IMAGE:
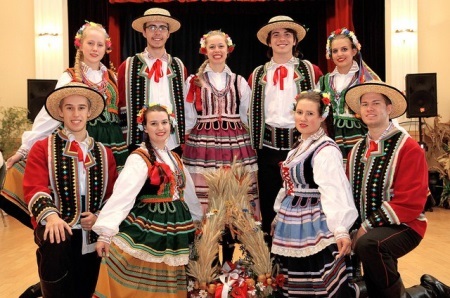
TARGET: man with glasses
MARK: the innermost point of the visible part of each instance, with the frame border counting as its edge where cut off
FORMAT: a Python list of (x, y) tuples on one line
[(153, 76)]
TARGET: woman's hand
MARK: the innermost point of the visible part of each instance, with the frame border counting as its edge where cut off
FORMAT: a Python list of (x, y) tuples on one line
[(344, 245), (13, 159), (102, 249)]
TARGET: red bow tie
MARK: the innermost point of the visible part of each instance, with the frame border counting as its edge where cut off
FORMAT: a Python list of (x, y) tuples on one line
[(373, 146), (74, 146), (155, 71), (279, 75)]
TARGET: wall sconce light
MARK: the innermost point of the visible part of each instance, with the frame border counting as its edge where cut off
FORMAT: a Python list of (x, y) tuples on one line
[(48, 38), (405, 34), (404, 31)]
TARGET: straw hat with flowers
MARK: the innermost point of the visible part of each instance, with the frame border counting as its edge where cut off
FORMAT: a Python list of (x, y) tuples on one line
[(156, 15), (74, 88), (279, 22), (398, 100)]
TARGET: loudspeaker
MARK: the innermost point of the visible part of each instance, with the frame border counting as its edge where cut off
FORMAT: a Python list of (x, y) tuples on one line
[(421, 95), (37, 94)]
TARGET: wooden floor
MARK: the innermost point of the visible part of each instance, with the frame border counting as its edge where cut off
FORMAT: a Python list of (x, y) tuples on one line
[(18, 268)]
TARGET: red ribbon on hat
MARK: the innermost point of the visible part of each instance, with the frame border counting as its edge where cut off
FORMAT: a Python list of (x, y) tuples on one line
[(280, 73), (155, 71), (373, 146)]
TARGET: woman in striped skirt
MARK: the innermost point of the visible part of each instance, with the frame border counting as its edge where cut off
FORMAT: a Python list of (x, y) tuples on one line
[(147, 224), (315, 208)]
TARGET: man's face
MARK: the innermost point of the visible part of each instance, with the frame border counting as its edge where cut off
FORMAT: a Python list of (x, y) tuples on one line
[(156, 34), (282, 41), (75, 110), (374, 110)]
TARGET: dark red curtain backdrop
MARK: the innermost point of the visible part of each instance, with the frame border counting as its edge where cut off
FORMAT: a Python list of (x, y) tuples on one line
[(241, 19)]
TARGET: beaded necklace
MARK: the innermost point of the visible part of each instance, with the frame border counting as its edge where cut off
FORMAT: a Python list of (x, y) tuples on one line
[(100, 87)]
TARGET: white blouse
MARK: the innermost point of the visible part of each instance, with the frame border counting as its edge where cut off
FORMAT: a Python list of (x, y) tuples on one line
[(128, 185)]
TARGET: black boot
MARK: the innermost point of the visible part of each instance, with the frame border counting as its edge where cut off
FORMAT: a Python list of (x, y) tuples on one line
[(397, 290), (418, 292), (33, 291), (434, 286)]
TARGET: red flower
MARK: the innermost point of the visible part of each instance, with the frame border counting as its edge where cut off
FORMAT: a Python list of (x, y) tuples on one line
[(326, 100), (337, 31), (239, 291), (280, 280)]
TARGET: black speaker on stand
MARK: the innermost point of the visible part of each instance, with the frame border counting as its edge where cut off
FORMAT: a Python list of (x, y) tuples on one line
[(421, 95), (37, 94)]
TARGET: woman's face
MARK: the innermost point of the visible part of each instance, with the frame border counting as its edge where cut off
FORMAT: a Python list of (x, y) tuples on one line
[(157, 128), (307, 117), (216, 49), (342, 53), (93, 47)]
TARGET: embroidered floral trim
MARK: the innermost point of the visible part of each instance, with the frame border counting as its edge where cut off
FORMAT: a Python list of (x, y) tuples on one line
[(342, 31)]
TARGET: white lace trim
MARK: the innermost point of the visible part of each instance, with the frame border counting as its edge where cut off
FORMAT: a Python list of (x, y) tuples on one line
[(303, 252), (141, 255)]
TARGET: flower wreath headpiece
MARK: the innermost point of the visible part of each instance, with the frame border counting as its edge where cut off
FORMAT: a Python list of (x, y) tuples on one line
[(325, 98), (211, 33), (341, 31), (141, 115), (79, 35)]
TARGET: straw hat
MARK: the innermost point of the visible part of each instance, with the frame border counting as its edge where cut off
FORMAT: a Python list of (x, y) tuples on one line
[(279, 22), (398, 100), (156, 15), (74, 88)]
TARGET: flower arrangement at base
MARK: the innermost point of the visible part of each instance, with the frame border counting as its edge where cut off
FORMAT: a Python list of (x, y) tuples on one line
[(229, 206)]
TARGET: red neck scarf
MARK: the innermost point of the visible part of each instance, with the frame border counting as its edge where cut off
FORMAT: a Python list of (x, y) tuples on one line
[(279, 75), (155, 71)]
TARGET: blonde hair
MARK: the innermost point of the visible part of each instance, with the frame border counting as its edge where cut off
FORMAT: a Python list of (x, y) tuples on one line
[(79, 37)]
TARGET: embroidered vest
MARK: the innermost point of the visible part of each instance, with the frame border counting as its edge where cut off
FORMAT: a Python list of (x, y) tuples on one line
[(305, 72), (372, 178), (137, 90)]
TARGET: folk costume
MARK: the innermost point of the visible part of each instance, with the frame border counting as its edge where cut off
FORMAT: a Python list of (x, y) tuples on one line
[(145, 80), (389, 177), (216, 117), (104, 129), (315, 207), (67, 177), (348, 127), (150, 219), (271, 122)]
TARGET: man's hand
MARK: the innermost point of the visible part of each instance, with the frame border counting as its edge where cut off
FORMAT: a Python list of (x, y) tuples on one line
[(55, 227), (88, 219)]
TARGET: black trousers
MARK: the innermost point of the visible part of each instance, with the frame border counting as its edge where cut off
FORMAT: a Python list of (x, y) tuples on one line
[(379, 250), (63, 270), (269, 183)]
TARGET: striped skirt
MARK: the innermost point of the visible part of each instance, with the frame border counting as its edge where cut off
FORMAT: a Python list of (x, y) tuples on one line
[(306, 250), (122, 275), (148, 255), (212, 145)]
